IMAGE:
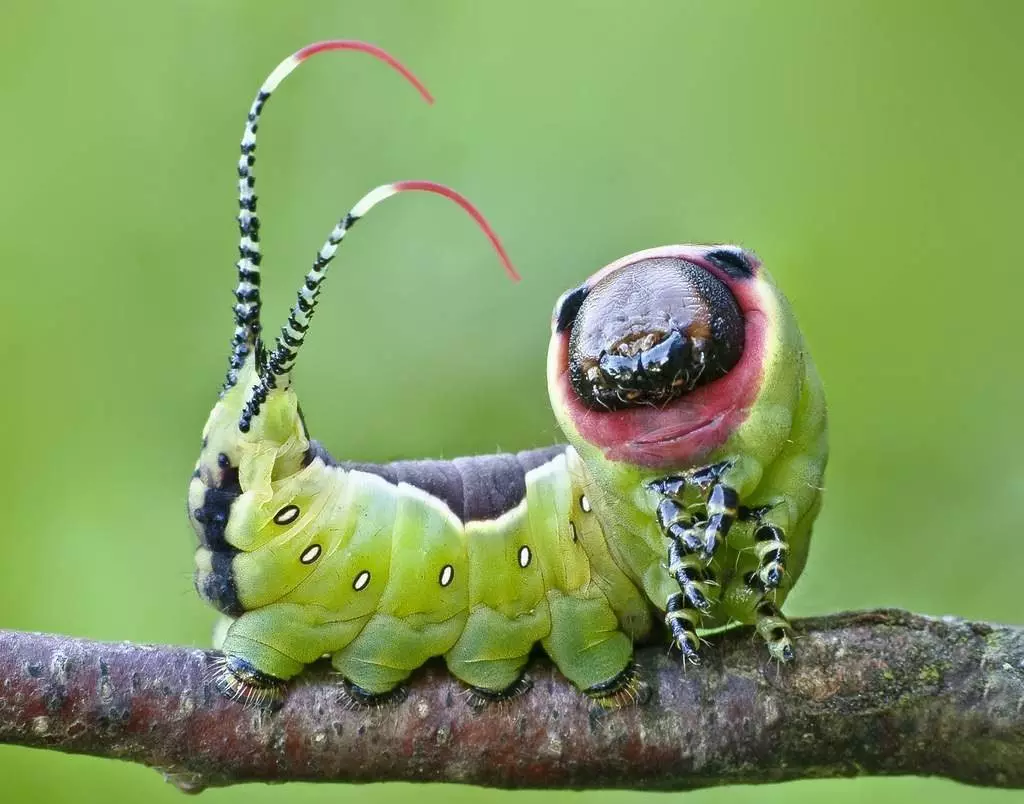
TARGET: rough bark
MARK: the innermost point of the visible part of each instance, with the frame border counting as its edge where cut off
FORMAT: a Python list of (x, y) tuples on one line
[(871, 693)]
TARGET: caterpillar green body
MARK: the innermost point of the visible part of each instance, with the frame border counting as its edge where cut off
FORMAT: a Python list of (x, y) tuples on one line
[(696, 428)]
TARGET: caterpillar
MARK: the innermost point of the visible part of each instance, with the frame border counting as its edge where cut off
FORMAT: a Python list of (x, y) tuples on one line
[(697, 443)]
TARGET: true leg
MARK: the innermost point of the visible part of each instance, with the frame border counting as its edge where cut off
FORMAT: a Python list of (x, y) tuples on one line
[(682, 620), (774, 629), (772, 552), (746, 601), (686, 564), (722, 504)]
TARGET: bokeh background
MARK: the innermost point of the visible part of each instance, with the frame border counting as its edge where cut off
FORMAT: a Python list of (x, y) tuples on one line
[(872, 153)]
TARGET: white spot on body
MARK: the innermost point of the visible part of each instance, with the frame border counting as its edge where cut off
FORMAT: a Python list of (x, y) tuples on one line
[(447, 575), (310, 554), (524, 556), (361, 581), (585, 504), (287, 515)]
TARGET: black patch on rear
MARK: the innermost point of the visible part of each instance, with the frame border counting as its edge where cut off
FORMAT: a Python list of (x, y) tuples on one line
[(734, 263), (218, 587), (569, 307), (216, 508), (476, 488)]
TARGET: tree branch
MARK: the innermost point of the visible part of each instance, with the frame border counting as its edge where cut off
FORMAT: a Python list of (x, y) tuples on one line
[(871, 693)]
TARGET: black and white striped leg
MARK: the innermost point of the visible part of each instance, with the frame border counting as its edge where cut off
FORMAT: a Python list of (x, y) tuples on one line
[(671, 486), (685, 564), (772, 552), (679, 526), (682, 620), (775, 630), (694, 578), (722, 506)]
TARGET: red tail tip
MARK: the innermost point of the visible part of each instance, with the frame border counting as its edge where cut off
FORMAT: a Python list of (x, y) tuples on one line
[(466, 204), (373, 50)]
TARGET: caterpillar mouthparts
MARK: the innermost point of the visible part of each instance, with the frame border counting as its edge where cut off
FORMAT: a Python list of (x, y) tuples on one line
[(652, 332)]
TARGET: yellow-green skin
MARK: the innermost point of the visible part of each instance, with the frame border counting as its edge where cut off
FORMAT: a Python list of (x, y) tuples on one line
[(597, 555)]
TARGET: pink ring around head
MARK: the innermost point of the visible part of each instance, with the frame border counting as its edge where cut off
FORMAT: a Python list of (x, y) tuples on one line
[(692, 426)]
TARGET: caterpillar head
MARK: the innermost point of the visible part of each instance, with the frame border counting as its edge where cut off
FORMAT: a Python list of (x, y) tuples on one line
[(655, 359), (253, 475)]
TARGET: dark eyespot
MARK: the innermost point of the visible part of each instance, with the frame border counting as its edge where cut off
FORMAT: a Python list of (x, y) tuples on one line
[(223, 461), (567, 306), (734, 263), (651, 332), (287, 515), (310, 554)]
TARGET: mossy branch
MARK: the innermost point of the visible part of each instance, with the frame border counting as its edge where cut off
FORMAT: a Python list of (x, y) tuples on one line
[(871, 693)]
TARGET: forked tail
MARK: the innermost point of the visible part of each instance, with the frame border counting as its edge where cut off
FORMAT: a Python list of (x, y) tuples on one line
[(247, 294), (282, 358), (248, 303)]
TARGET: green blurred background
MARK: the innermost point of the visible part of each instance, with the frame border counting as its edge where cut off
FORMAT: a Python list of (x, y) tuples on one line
[(872, 153)]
